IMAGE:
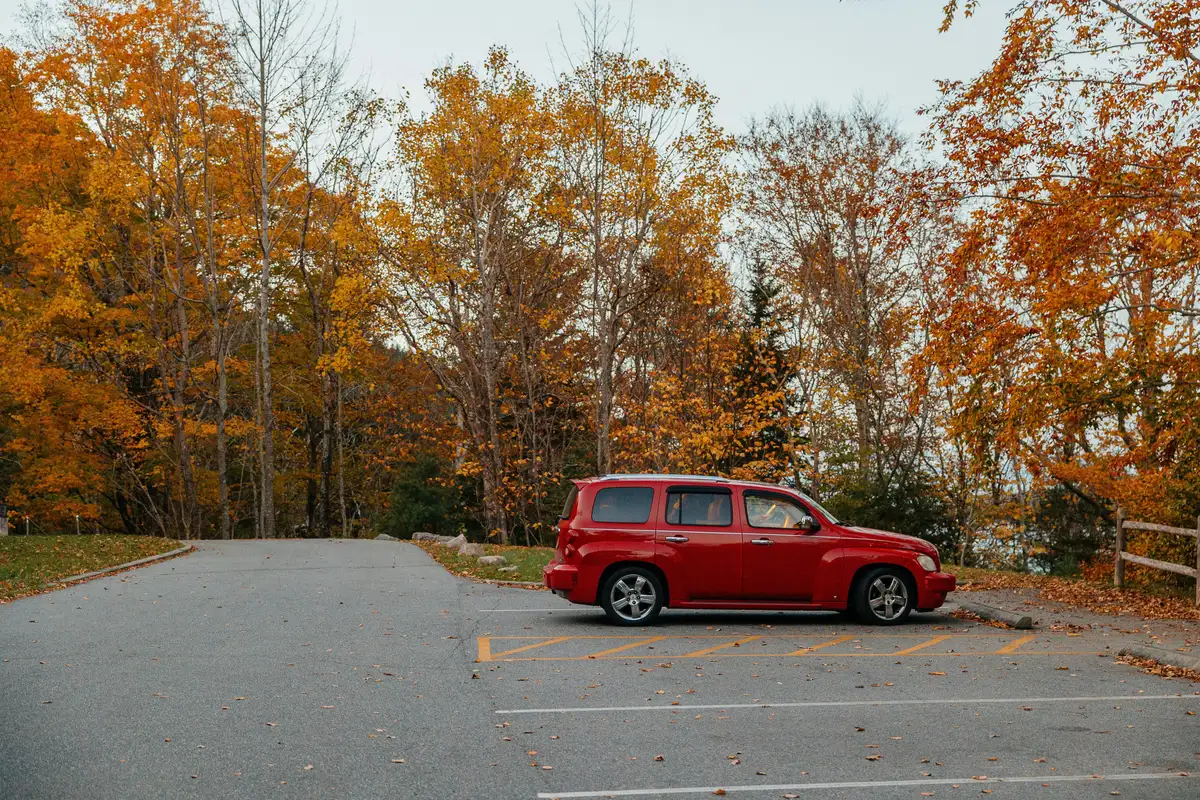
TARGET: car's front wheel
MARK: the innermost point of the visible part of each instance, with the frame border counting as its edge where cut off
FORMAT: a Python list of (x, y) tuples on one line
[(884, 596), (632, 596)]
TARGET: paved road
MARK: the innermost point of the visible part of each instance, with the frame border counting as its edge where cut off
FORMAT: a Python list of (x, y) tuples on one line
[(348, 669)]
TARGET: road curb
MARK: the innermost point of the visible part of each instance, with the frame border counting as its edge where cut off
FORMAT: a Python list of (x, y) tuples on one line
[(516, 584), (1170, 658), (1021, 622), (107, 570)]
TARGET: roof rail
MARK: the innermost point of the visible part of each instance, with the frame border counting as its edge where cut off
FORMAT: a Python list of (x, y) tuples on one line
[(654, 475)]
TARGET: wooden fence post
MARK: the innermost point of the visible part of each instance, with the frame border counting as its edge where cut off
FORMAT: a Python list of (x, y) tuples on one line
[(1119, 568)]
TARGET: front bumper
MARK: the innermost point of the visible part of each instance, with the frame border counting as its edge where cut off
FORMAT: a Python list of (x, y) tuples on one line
[(560, 578), (933, 590)]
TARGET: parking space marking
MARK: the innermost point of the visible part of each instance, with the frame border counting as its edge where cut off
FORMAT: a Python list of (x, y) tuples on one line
[(624, 647), (935, 640), (803, 651), (1012, 647), (793, 787), (556, 640), (932, 701), (585, 648), (709, 650)]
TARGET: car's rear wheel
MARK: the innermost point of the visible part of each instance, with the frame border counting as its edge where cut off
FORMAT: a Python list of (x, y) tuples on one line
[(632, 596), (884, 596)]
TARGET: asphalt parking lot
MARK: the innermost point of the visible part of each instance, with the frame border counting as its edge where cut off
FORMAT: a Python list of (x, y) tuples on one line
[(361, 669)]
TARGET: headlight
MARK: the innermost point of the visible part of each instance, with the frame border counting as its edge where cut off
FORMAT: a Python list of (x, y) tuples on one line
[(927, 563)]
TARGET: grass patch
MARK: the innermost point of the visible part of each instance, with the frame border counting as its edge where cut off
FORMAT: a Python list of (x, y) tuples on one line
[(28, 563), (1151, 602), (528, 561)]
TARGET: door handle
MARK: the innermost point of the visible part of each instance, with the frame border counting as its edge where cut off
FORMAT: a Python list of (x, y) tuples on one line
[(677, 538), (761, 541)]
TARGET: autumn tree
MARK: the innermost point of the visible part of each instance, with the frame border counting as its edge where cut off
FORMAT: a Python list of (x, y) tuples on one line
[(642, 155), (831, 202), (1068, 329), (476, 208)]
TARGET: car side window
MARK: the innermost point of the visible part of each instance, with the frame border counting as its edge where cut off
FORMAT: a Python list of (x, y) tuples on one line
[(699, 508), (623, 504), (772, 511)]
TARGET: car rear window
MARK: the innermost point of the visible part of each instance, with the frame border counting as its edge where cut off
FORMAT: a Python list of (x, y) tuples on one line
[(623, 504), (699, 508), (569, 503)]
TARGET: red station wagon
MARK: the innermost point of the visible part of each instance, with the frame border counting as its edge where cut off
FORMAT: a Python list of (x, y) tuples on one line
[(636, 543)]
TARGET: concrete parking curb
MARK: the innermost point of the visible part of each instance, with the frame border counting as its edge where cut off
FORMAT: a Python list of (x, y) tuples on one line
[(147, 560), (1170, 658), (517, 584), (1021, 622)]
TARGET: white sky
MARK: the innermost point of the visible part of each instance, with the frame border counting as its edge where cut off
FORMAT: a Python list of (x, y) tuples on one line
[(752, 54)]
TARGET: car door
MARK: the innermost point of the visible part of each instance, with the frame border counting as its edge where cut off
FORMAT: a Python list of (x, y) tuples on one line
[(698, 544), (779, 559)]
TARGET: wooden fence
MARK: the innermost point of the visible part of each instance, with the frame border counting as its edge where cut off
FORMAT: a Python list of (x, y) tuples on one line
[(1123, 556)]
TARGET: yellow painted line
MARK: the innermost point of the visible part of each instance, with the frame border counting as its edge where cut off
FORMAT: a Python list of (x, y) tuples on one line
[(556, 640), (908, 650), (806, 650), (485, 650), (624, 647), (795, 635), (705, 652), (814, 655), (1012, 646)]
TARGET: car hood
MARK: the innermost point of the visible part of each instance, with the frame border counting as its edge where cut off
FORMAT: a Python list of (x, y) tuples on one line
[(892, 538)]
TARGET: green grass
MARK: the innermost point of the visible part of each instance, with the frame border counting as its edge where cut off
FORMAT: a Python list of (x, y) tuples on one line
[(528, 560), (28, 563)]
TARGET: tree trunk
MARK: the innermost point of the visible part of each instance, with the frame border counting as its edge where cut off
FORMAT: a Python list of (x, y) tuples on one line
[(341, 457), (3, 519), (226, 528), (327, 412), (191, 502)]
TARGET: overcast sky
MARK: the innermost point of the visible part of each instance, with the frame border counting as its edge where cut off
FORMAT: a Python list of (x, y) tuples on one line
[(753, 54)]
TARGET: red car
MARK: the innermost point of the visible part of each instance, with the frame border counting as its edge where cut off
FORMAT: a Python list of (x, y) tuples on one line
[(634, 544)]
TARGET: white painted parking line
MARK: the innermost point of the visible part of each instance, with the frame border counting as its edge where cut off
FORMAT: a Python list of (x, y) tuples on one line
[(795, 787), (965, 701)]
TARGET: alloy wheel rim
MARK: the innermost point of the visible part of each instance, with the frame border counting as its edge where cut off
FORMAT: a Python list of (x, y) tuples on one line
[(633, 597), (888, 597)]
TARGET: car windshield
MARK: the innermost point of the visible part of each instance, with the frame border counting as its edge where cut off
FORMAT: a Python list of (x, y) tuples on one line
[(824, 511)]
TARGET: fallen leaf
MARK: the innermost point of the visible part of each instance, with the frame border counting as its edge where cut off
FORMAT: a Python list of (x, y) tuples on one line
[(398, 761), (660, 758), (937, 673), (308, 768)]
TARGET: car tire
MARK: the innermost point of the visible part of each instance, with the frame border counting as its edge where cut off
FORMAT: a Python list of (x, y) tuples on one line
[(884, 596), (632, 595)]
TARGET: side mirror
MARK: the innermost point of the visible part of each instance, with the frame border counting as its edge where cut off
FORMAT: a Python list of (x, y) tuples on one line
[(807, 524)]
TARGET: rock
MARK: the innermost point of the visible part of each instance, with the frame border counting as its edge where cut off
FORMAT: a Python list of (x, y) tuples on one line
[(385, 537), (456, 542), (508, 569), (471, 549), (492, 561), (423, 536)]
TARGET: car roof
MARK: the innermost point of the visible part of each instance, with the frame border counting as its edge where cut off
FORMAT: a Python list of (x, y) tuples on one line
[(666, 476)]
